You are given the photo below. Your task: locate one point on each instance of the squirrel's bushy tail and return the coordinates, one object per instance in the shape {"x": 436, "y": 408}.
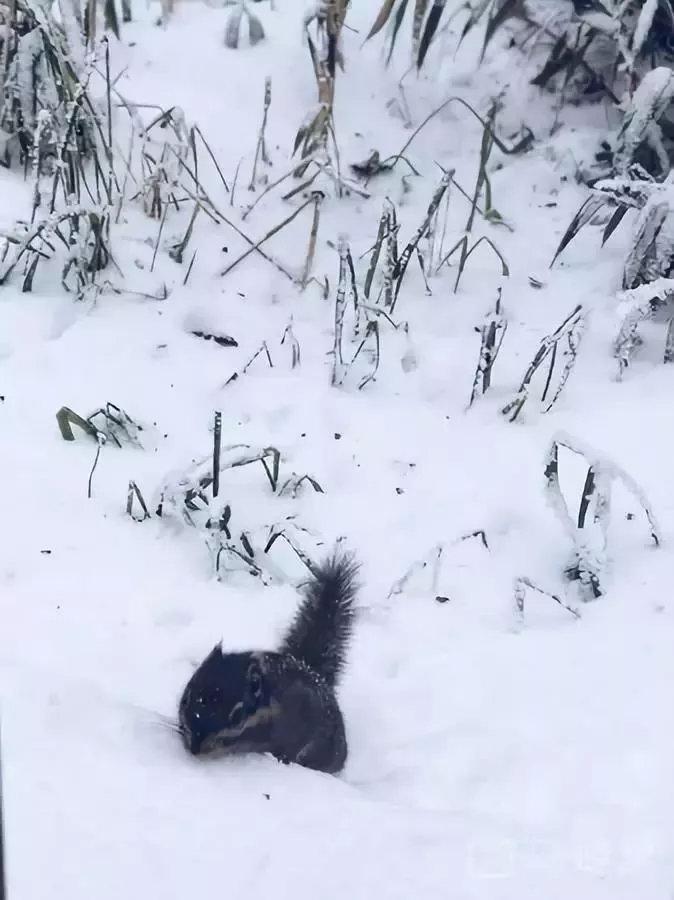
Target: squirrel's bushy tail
{"x": 319, "y": 635}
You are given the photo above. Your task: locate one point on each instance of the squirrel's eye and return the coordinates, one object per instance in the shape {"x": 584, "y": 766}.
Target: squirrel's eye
{"x": 236, "y": 716}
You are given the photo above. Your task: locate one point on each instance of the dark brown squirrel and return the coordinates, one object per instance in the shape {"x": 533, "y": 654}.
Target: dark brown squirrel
{"x": 281, "y": 702}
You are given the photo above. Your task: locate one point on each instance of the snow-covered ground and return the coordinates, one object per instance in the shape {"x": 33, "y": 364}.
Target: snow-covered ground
{"x": 489, "y": 758}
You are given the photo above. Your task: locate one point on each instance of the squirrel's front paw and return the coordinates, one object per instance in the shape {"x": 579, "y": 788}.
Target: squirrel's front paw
{"x": 283, "y": 758}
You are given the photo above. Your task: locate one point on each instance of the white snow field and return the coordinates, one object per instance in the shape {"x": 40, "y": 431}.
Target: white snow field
{"x": 490, "y": 755}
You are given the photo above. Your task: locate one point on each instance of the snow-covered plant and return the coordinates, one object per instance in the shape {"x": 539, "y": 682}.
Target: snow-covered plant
{"x": 424, "y": 230}
{"x": 43, "y": 75}
{"x": 347, "y": 295}
{"x": 62, "y": 134}
{"x": 82, "y": 234}
{"x": 651, "y": 256}
{"x": 561, "y": 350}
{"x": 385, "y": 258}
{"x": 588, "y": 530}
{"x": 492, "y": 333}
{"x": 433, "y": 562}
{"x": 648, "y": 272}
{"x": 648, "y": 301}
{"x": 523, "y": 585}
{"x": 261, "y": 152}
{"x": 108, "y": 425}
{"x": 602, "y": 47}
{"x": 196, "y": 498}
{"x": 387, "y": 240}
{"x": 621, "y": 194}
{"x": 316, "y": 141}
{"x": 640, "y": 138}
{"x": 234, "y": 25}
{"x": 164, "y": 151}
{"x": 426, "y": 17}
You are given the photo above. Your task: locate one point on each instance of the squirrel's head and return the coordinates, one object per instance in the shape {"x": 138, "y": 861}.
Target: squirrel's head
{"x": 225, "y": 706}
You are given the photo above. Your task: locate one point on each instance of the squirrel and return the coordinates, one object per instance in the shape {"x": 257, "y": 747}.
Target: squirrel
{"x": 282, "y": 702}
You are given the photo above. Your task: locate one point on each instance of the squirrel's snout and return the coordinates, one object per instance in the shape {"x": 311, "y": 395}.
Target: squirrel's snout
{"x": 191, "y": 741}
{"x": 194, "y": 744}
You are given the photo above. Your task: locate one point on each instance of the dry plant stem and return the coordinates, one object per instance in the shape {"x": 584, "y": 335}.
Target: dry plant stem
{"x": 391, "y": 260}
{"x": 324, "y": 50}
{"x": 5, "y": 53}
{"x": 353, "y": 286}
{"x": 338, "y": 367}
{"x": 134, "y": 492}
{"x": 197, "y": 130}
{"x": 403, "y": 262}
{"x": 261, "y": 149}
{"x": 493, "y": 332}
{"x": 305, "y": 185}
{"x": 571, "y": 329}
{"x": 311, "y": 250}
{"x": 234, "y": 183}
{"x": 189, "y": 268}
{"x": 481, "y": 182}
{"x": 268, "y": 188}
{"x": 372, "y": 330}
{"x": 93, "y": 468}
{"x": 193, "y": 176}
{"x": 669, "y": 343}
{"x": 467, "y": 253}
{"x": 217, "y": 445}
{"x": 177, "y": 252}
{"x": 289, "y": 335}
{"x": 378, "y": 311}
{"x": 518, "y": 148}
{"x": 434, "y": 558}
{"x": 262, "y": 349}
{"x": 520, "y": 592}
{"x": 376, "y": 250}
{"x": 270, "y": 234}
{"x": 161, "y": 228}
{"x": 255, "y": 247}
{"x": 109, "y": 111}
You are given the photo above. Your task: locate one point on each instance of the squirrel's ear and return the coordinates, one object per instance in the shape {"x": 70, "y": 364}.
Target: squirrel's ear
{"x": 217, "y": 650}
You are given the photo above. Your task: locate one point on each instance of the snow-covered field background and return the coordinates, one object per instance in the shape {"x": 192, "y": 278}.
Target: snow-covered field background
{"x": 489, "y": 757}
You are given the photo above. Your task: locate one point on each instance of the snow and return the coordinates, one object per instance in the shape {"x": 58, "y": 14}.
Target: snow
{"x": 489, "y": 757}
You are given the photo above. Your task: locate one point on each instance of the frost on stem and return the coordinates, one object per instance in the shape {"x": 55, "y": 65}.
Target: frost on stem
{"x": 233, "y": 28}
{"x": 422, "y": 231}
{"x": 644, "y": 25}
{"x": 391, "y": 252}
{"x": 316, "y": 140}
{"x": 347, "y": 291}
{"x": 164, "y": 153}
{"x": 338, "y": 367}
{"x": 652, "y": 252}
{"x": 433, "y": 560}
{"x": 492, "y": 334}
{"x": 588, "y": 532}
{"x": 524, "y": 584}
{"x": 394, "y": 264}
{"x": 644, "y": 302}
{"x": 561, "y": 348}
{"x": 193, "y": 498}
{"x": 640, "y": 128}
